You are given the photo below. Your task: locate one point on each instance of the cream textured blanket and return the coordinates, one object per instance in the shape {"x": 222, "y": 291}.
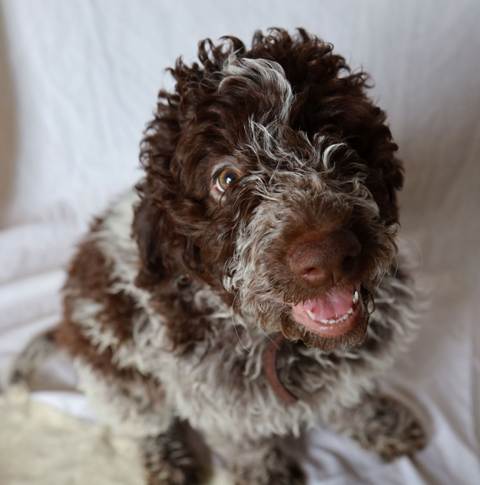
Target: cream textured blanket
{"x": 42, "y": 445}
{"x": 51, "y": 439}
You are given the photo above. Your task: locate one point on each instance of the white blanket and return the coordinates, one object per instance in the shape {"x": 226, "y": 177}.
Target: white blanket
{"x": 78, "y": 82}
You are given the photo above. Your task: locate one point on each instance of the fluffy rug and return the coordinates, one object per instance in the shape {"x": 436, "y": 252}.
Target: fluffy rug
{"x": 42, "y": 445}
{"x": 49, "y": 439}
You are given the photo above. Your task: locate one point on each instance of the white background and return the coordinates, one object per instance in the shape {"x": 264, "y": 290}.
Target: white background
{"x": 78, "y": 81}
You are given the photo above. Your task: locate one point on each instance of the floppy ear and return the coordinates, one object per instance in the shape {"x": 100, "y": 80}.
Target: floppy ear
{"x": 389, "y": 182}
{"x": 147, "y": 231}
{"x": 394, "y": 177}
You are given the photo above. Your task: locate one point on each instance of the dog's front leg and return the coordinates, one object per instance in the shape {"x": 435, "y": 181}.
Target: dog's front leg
{"x": 169, "y": 460}
{"x": 382, "y": 424}
{"x": 257, "y": 462}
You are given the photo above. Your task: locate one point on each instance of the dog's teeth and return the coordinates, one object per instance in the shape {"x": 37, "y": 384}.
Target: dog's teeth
{"x": 331, "y": 321}
{"x": 355, "y": 297}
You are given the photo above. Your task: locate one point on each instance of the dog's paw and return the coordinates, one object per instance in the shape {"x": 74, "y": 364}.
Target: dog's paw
{"x": 408, "y": 441}
{"x": 293, "y": 475}
{"x": 389, "y": 428}
{"x": 169, "y": 462}
{"x": 276, "y": 469}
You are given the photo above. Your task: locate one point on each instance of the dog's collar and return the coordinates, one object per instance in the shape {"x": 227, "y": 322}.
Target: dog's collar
{"x": 270, "y": 367}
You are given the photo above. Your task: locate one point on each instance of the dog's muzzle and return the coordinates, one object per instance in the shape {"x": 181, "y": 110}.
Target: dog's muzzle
{"x": 328, "y": 262}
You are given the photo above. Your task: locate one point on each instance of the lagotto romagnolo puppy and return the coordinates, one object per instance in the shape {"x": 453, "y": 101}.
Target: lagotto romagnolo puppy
{"x": 251, "y": 285}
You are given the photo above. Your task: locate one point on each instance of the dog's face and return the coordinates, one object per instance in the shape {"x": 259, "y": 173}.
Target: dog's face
{"x": 271, "y": 177}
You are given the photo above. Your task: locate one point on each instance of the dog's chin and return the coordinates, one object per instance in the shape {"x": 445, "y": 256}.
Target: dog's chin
{"x": 336, "y": 320}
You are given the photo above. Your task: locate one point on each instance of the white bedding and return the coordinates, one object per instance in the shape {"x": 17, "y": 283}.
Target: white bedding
{"x": 78, "y": 81}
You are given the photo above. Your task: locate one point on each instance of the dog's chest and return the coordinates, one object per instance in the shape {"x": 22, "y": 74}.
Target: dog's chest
{"x": 223, "y": 387}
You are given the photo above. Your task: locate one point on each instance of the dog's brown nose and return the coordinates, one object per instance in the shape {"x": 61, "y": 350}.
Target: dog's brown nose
{"x": 324, "y": 259}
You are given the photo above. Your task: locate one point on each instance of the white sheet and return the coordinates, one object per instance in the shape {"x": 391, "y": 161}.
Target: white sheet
{"x": 78, "y": 82}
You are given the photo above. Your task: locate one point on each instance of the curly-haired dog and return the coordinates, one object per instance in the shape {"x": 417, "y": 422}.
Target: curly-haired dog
{"x": 251, "y": 285}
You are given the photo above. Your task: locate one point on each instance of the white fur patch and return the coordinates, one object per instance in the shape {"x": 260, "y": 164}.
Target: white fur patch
{"x": 124, "y": 405}
{"x": 264, "y": 75}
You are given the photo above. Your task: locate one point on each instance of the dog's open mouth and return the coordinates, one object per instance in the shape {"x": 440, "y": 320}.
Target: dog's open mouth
{"x": 334, "y": 314}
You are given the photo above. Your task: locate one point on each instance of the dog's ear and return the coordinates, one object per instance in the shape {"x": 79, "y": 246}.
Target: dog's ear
{"x": 146, "y": 230}
{"x": 392, "y": 175}
{"x": 385, "y": 179}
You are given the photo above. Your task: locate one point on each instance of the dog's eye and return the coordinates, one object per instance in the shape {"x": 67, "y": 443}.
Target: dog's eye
{"x": 226, "y": 178}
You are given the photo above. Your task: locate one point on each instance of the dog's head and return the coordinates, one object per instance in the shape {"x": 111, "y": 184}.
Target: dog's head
{"x": 271, "y": 176}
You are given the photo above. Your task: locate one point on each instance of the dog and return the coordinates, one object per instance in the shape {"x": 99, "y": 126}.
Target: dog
{"x": 251, "y": 285}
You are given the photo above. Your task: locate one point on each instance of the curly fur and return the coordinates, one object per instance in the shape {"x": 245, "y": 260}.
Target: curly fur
{"x": 173, "y": 296}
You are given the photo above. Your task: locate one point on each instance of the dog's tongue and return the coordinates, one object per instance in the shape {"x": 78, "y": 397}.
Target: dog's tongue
{"x": 330, "y": 306}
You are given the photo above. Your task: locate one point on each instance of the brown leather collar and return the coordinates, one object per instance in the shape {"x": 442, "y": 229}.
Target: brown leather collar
{"x": 270, "y": 367}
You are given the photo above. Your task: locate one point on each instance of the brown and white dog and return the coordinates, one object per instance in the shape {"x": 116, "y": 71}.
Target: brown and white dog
{"x": 251, "y": 285}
